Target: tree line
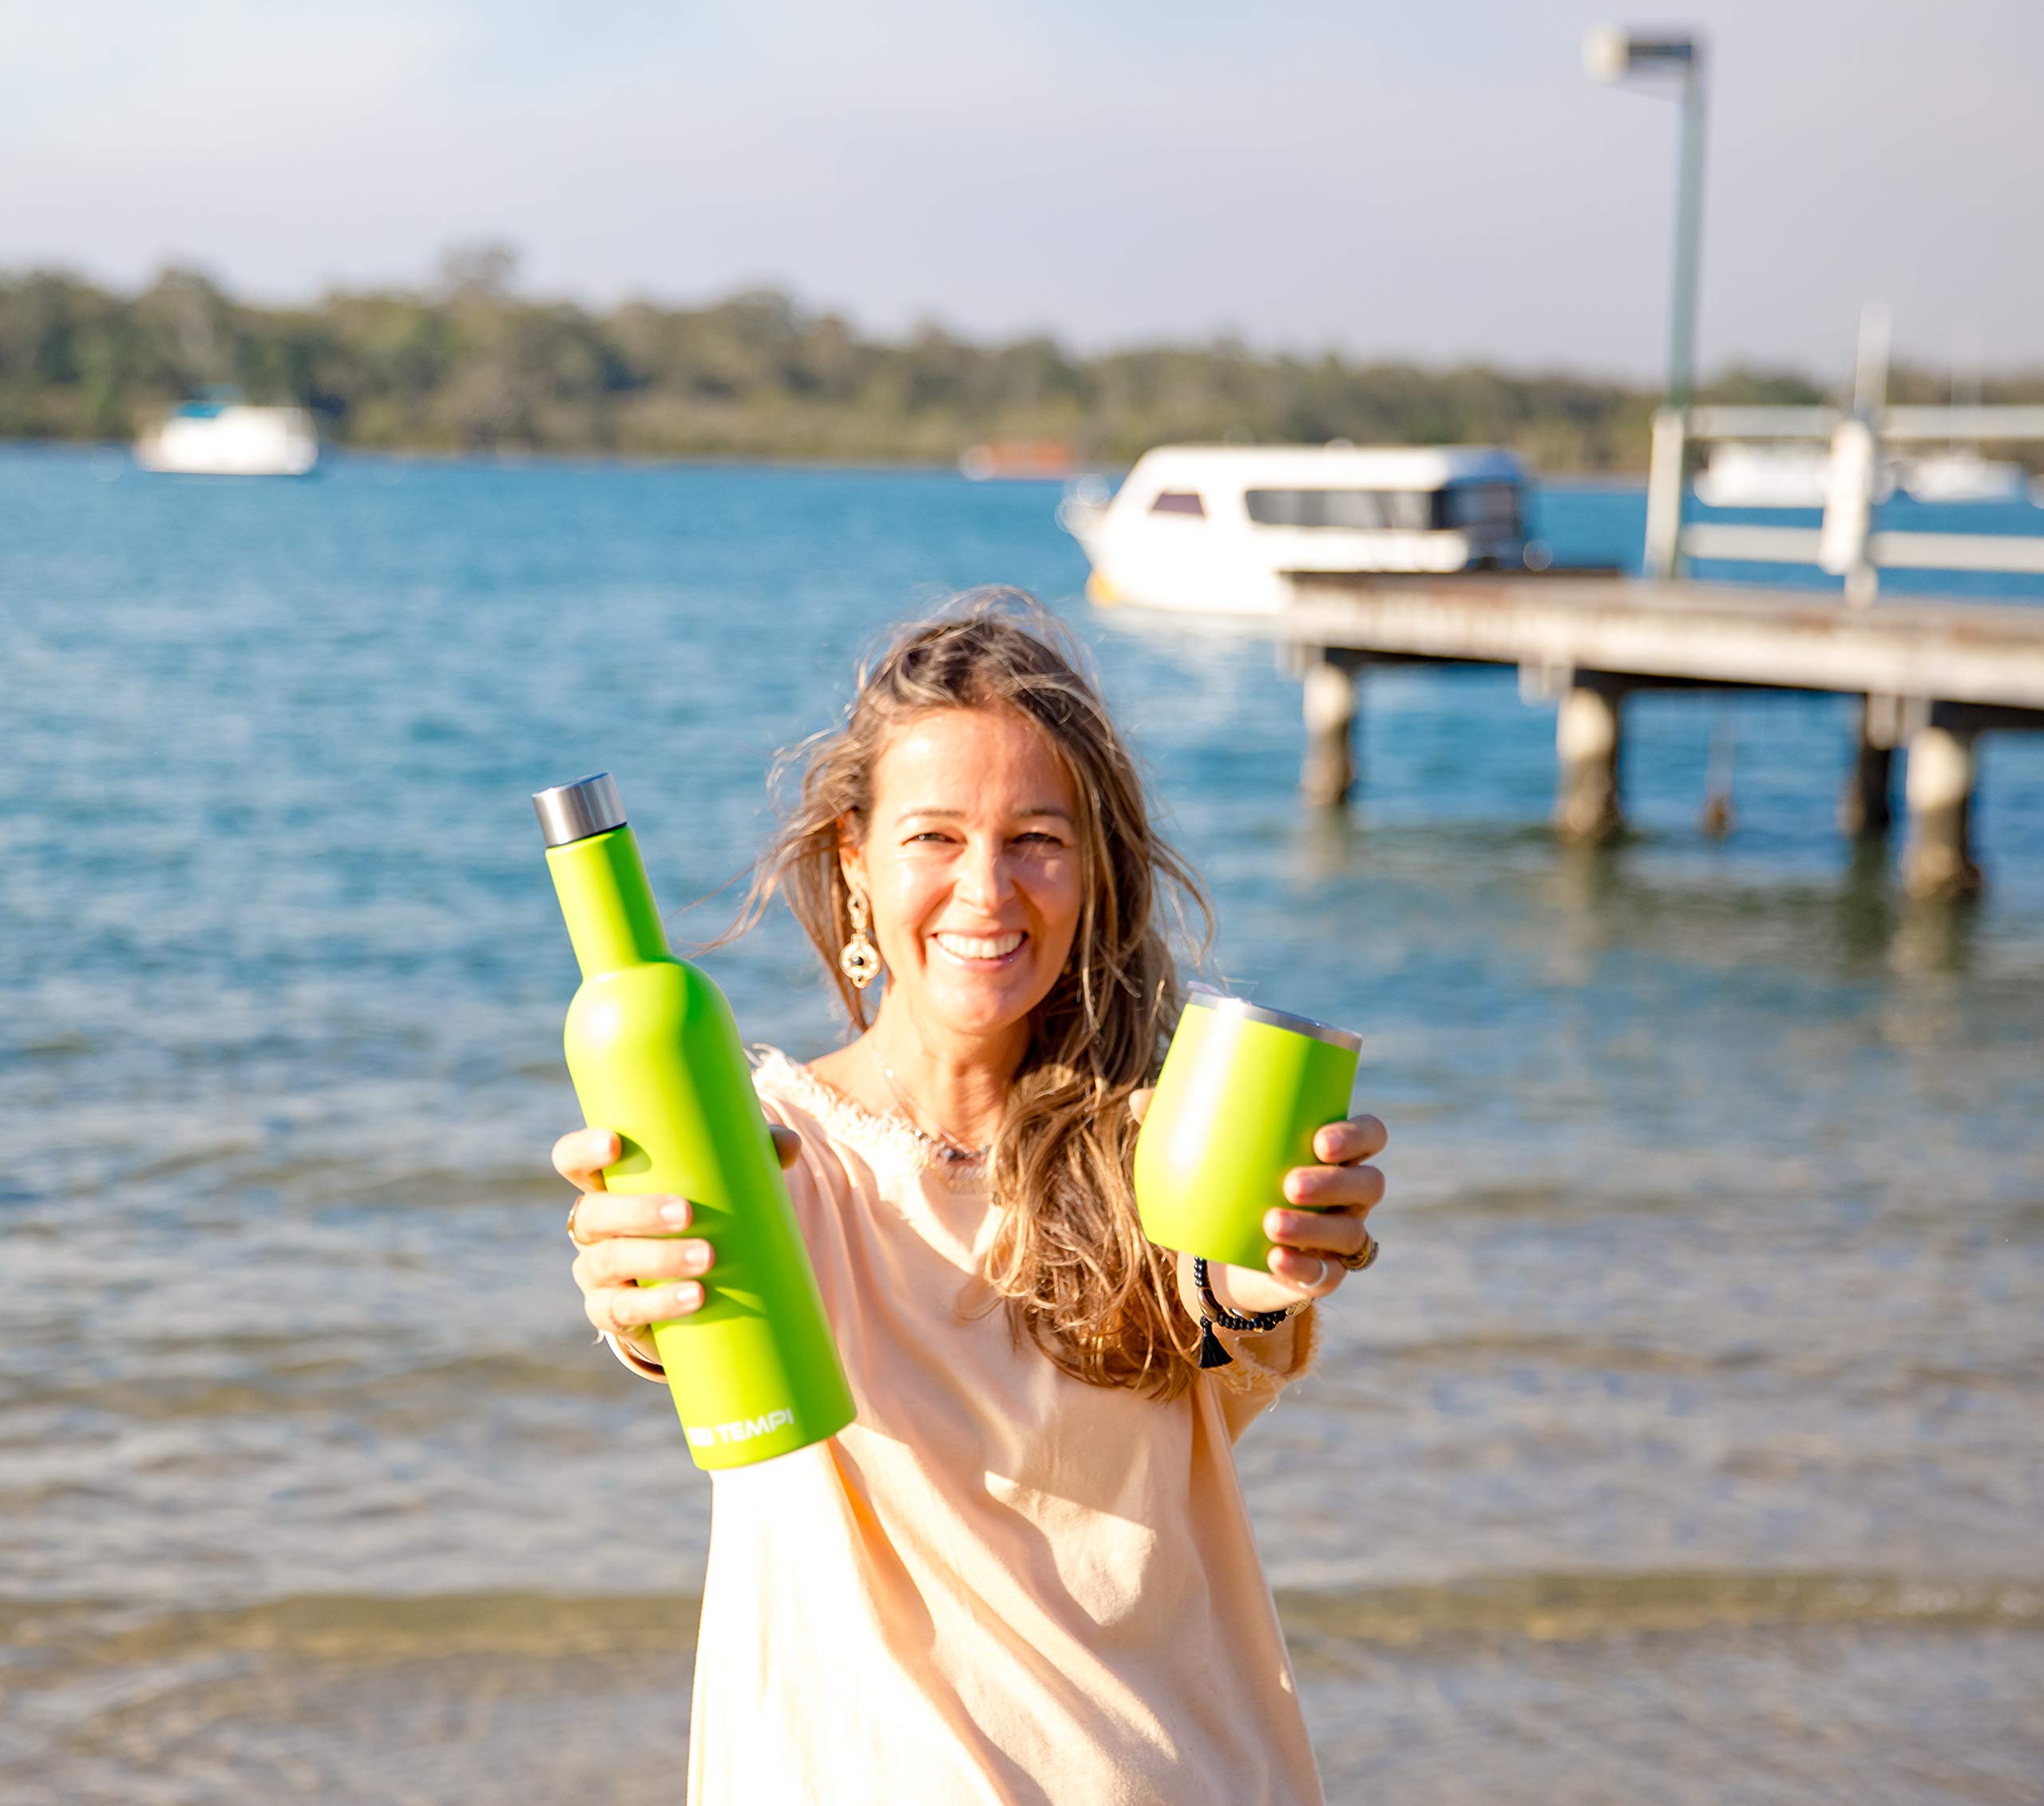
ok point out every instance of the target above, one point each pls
(466, 363)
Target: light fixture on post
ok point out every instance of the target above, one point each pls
(1612, 54)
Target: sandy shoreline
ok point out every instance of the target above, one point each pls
(522, 1699)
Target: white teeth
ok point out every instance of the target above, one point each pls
(967, 948)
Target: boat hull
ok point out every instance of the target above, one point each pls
(232, 442)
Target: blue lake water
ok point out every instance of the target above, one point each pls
(1682, 1446)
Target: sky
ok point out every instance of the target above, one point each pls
(1439, 182)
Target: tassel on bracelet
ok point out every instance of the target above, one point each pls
(1211, 1353)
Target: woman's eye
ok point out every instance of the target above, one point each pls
(938, 834)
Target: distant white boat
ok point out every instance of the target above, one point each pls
(1222, 528)
(1963, 475)
(218, 436)
(1750, 476)
(1755, 476)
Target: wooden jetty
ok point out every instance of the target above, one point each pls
(1931, 678)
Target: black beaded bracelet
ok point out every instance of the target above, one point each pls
(1211, 1353)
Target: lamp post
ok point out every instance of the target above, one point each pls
(1610, 53)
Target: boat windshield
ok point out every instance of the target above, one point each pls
(1485, 507)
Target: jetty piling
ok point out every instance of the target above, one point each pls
(1589, 729)
(1331, 695)
(1866, 809)
(1937, 857)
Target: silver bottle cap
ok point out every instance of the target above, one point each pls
(1205, 997)
(573, 812)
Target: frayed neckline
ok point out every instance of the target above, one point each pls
(885, 1135)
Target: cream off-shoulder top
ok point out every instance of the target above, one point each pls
(1001, 1583)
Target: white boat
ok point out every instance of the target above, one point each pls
(1963, 475)
(1750, 476)
(1218, 529)
(1742, 476)
(216, 436)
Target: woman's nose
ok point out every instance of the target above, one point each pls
(984, 881)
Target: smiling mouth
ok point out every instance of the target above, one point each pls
(981, 953)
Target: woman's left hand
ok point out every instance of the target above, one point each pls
(1321, 1221)
(1311, 1242)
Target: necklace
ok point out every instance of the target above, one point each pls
(947, 1148)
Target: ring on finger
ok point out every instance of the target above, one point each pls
(1364, 1256)
(572, 1209)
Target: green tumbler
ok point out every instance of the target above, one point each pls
(1242, 1092)
(655, 1056)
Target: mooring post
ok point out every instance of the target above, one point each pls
(1846, 535)
(1937, 859)
(1586, 743)
(1866, 810)
(1328, 775)
(1666, 469)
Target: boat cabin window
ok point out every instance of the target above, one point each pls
(1466, 507)
(1179, 502)
(1401, 510)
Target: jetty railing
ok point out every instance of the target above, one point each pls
(1846, 544)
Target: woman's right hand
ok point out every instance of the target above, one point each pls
(626, 1237)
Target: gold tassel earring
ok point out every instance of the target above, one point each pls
(860, 961)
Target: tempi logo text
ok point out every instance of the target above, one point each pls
(739, 1429)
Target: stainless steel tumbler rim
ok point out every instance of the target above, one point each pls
(1205, 997)
(571, 812)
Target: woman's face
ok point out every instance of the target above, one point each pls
(971, 862)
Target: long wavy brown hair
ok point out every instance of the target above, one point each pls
(1078, 1276)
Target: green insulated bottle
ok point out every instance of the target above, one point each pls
(655, 1056)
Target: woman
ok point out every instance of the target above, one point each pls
(1025, 1572)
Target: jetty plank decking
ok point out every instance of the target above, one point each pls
(1932, 675)
(1683, 631)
